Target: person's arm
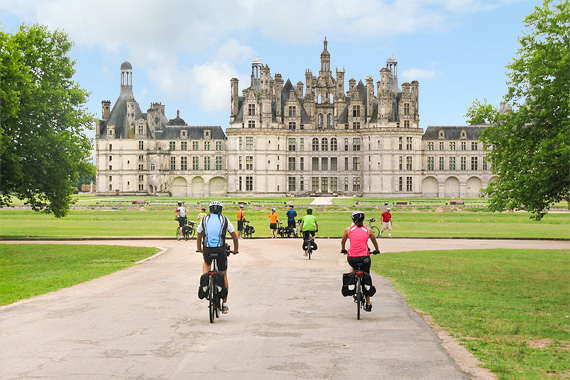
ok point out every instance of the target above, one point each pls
(236, 242)
(373, 240)
(199, 242)
(344, 239)
(316, 226)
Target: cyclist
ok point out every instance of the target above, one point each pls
(308, 227)
(358, 253)
(201, 215)
(212, 230)
(180, 215)
(291, 223)
(273, 220)
(240, 220)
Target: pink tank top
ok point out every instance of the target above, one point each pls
(358, 237)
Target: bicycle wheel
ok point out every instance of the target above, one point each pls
(192, 232)
(358, 297)
(376, 231)
(309, 251)
(211, 300)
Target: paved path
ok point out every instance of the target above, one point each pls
(287, 320)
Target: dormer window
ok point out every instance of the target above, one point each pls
(207, 134)
(184, 134)
(441, 134)
(463, 134)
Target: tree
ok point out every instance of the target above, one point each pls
(529, 146)
(43, 122)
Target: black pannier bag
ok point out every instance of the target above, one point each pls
(203, 288)
(185, 229)
(367, 288)
(221, 286)
(348, 284)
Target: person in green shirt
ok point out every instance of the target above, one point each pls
(309, 227)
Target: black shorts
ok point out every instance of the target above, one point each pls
(182, 221)
(306, 234)
(220, 254)
(291, 223)
(240, 225)
(364, 260)
(273, 226)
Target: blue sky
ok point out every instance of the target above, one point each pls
(184, 53)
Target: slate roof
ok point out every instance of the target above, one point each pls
(172, 132)
(118, 117)
(454, 133)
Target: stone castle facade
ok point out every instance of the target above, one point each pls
(312, 138)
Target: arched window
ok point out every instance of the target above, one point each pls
(320, 124)
(315, 144)
(329, 121)
(324, 144)
(334, 144)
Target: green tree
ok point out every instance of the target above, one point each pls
(529, 146)
(44, 147)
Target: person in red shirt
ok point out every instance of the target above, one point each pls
(386, 222)
(358, 252)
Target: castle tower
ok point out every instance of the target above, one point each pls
(392, 65)
(325, 58)
(277, 95)
(265, 78)
(256, 67)
(234, 97)
(105, 109)
(369, 96)
(126, 79)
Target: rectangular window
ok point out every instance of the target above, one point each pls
(355, 163)
(195, 165)
(219, 145)
(406, 108)
(141, 145)
(346, 145)
(442, 163)
(408, 143)
(430, 163)
(240, 184)
(172, 163)
(195, 145)
(325, 184)
(183, 163)
(301, 184)
(183, 145)
(292, 145)
(291, 164)
(408, 183)
(441, 145)
(249, 143)
(452, 145)
(315, 165)
(292, 125)
(207, 163)
(206, 145)
(474, 145)
(172, 145)
(302, 144)
(301, 163)
(400, 183)
(463, 163)
(315, 184)
(240, 163)
(218, 162)
(346, 164)
(334, 165)
(248, 162)
(474, 163)
(356, 144)
(451, 163)
(251, 110)
(356, 184)
(401, 163)
(334, 184)
(401, 143)
(463, 145)
(110, 158)
(356, 125)
(324, 163)
(152, 167)
(292, 111)
(334, 144)
(110, 147)
(484, 164)
(249, 183)
(141, 187)
(291, 184)
(356, 111)
(251, 123)
(430, 145)
(409, 163)
(240, 143)
(315, 144)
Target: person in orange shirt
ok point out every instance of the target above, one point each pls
(273, 220)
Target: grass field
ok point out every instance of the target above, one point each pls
(159, 221)
(509, 307)
(30, 270)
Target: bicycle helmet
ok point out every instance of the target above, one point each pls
(309, 211)
(240, 206)
(179, 203)
(358, 216)
(216, 207)
(273, 210)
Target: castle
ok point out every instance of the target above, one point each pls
(312, 138)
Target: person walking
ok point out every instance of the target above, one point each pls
(273, 220)
(291, 221)
(211, 239)
(386, 222)
(240, 221)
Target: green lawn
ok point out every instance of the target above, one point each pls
(510, 308)
(29, 270)
(159, 221)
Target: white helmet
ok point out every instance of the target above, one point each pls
(216, 207)
(358, 216)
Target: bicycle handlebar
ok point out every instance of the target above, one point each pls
(343, 251)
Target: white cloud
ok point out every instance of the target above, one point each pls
(418, 74)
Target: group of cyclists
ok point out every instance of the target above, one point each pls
(212, 229)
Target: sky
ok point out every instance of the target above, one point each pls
(184, 52)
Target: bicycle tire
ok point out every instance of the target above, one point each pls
(211, 298)
(358, 297)
(376, 231)
(309, 252)
(192, 232)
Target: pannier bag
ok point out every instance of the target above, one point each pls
(185, 229)
(203, 288)
(348, 284)
(220, 286)
(367, 288)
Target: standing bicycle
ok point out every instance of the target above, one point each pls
(372, 227)
(211, 242)
(358, 255)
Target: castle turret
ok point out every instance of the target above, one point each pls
(277, 95)
(369, 96)
(325, 58)
(265, 78)
(234, 97)
(126, 79)
(392, 65)
(256, 67)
